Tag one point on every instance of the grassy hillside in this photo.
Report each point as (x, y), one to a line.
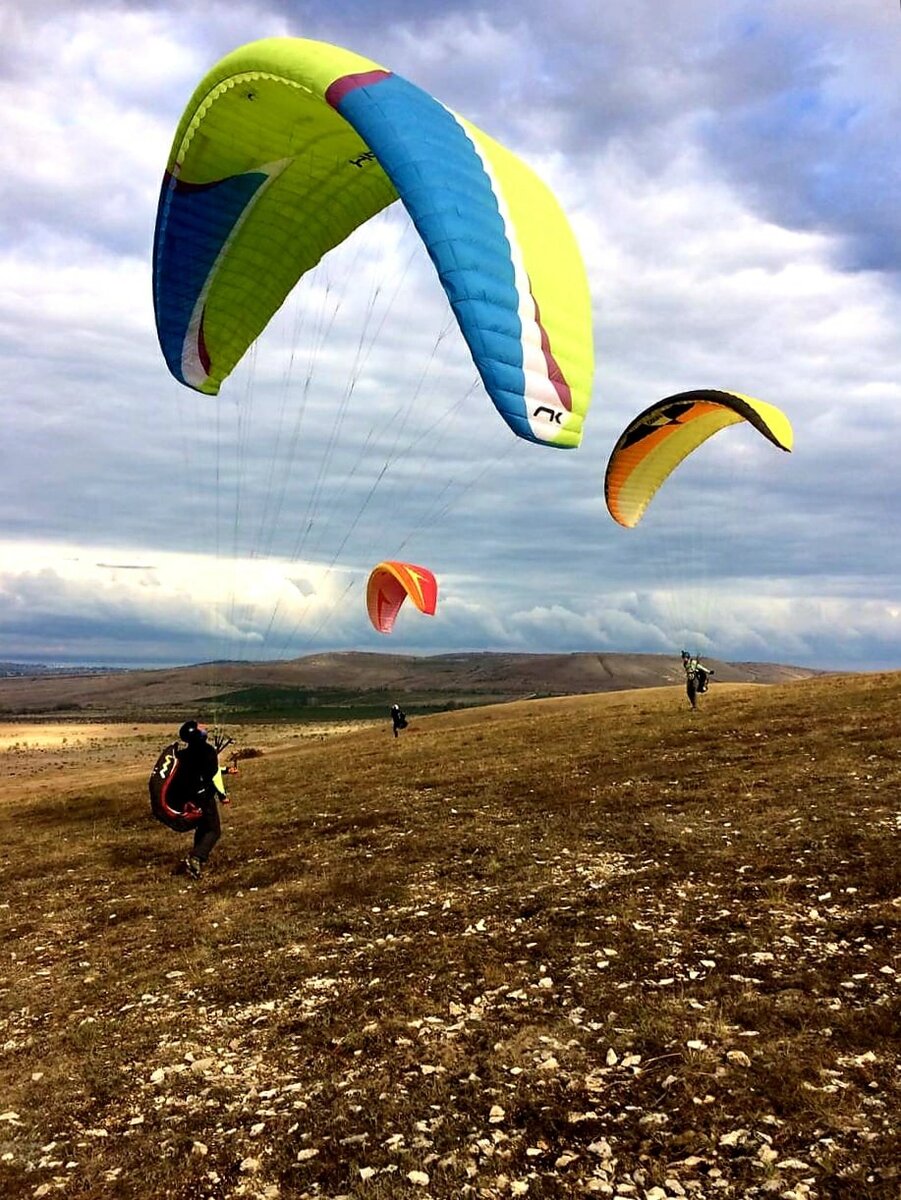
(588, 946)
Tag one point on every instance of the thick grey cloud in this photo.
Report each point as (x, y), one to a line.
(726, 172)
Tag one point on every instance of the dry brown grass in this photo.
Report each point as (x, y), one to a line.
(597, 945)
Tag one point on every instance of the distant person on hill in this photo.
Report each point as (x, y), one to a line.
(697, 677)
(199, 779)
(398, 720)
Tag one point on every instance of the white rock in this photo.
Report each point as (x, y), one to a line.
(792, 1164)
(738, 1058)
(653, 1119)
(419, 1178)
(601, 1148)
(306, 1155)
(695, 1044)
(158, 1075)
(199, 1149)
(496, 1115)
(367, 1172)
(612, 1057)
(735, 1137)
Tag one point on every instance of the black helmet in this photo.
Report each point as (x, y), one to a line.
(192, 732)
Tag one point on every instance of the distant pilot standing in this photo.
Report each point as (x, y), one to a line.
(697, 677)
(398, 720)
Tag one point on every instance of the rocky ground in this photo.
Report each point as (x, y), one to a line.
(595, 946)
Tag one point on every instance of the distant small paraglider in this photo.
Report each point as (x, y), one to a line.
(390, 583)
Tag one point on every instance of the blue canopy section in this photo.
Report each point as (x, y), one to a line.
(441, 181)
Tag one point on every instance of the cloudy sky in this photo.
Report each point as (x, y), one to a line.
(731, 172)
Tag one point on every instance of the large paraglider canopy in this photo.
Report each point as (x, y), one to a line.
(289, 145)
(390, 583)
(657, 440)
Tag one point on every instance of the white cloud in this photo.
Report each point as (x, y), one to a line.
(212, 606)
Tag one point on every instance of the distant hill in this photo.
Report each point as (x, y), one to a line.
(355, 684)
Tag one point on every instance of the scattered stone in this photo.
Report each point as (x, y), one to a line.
(738, 1058)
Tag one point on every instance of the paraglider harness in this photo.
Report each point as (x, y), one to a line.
(165, 805)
